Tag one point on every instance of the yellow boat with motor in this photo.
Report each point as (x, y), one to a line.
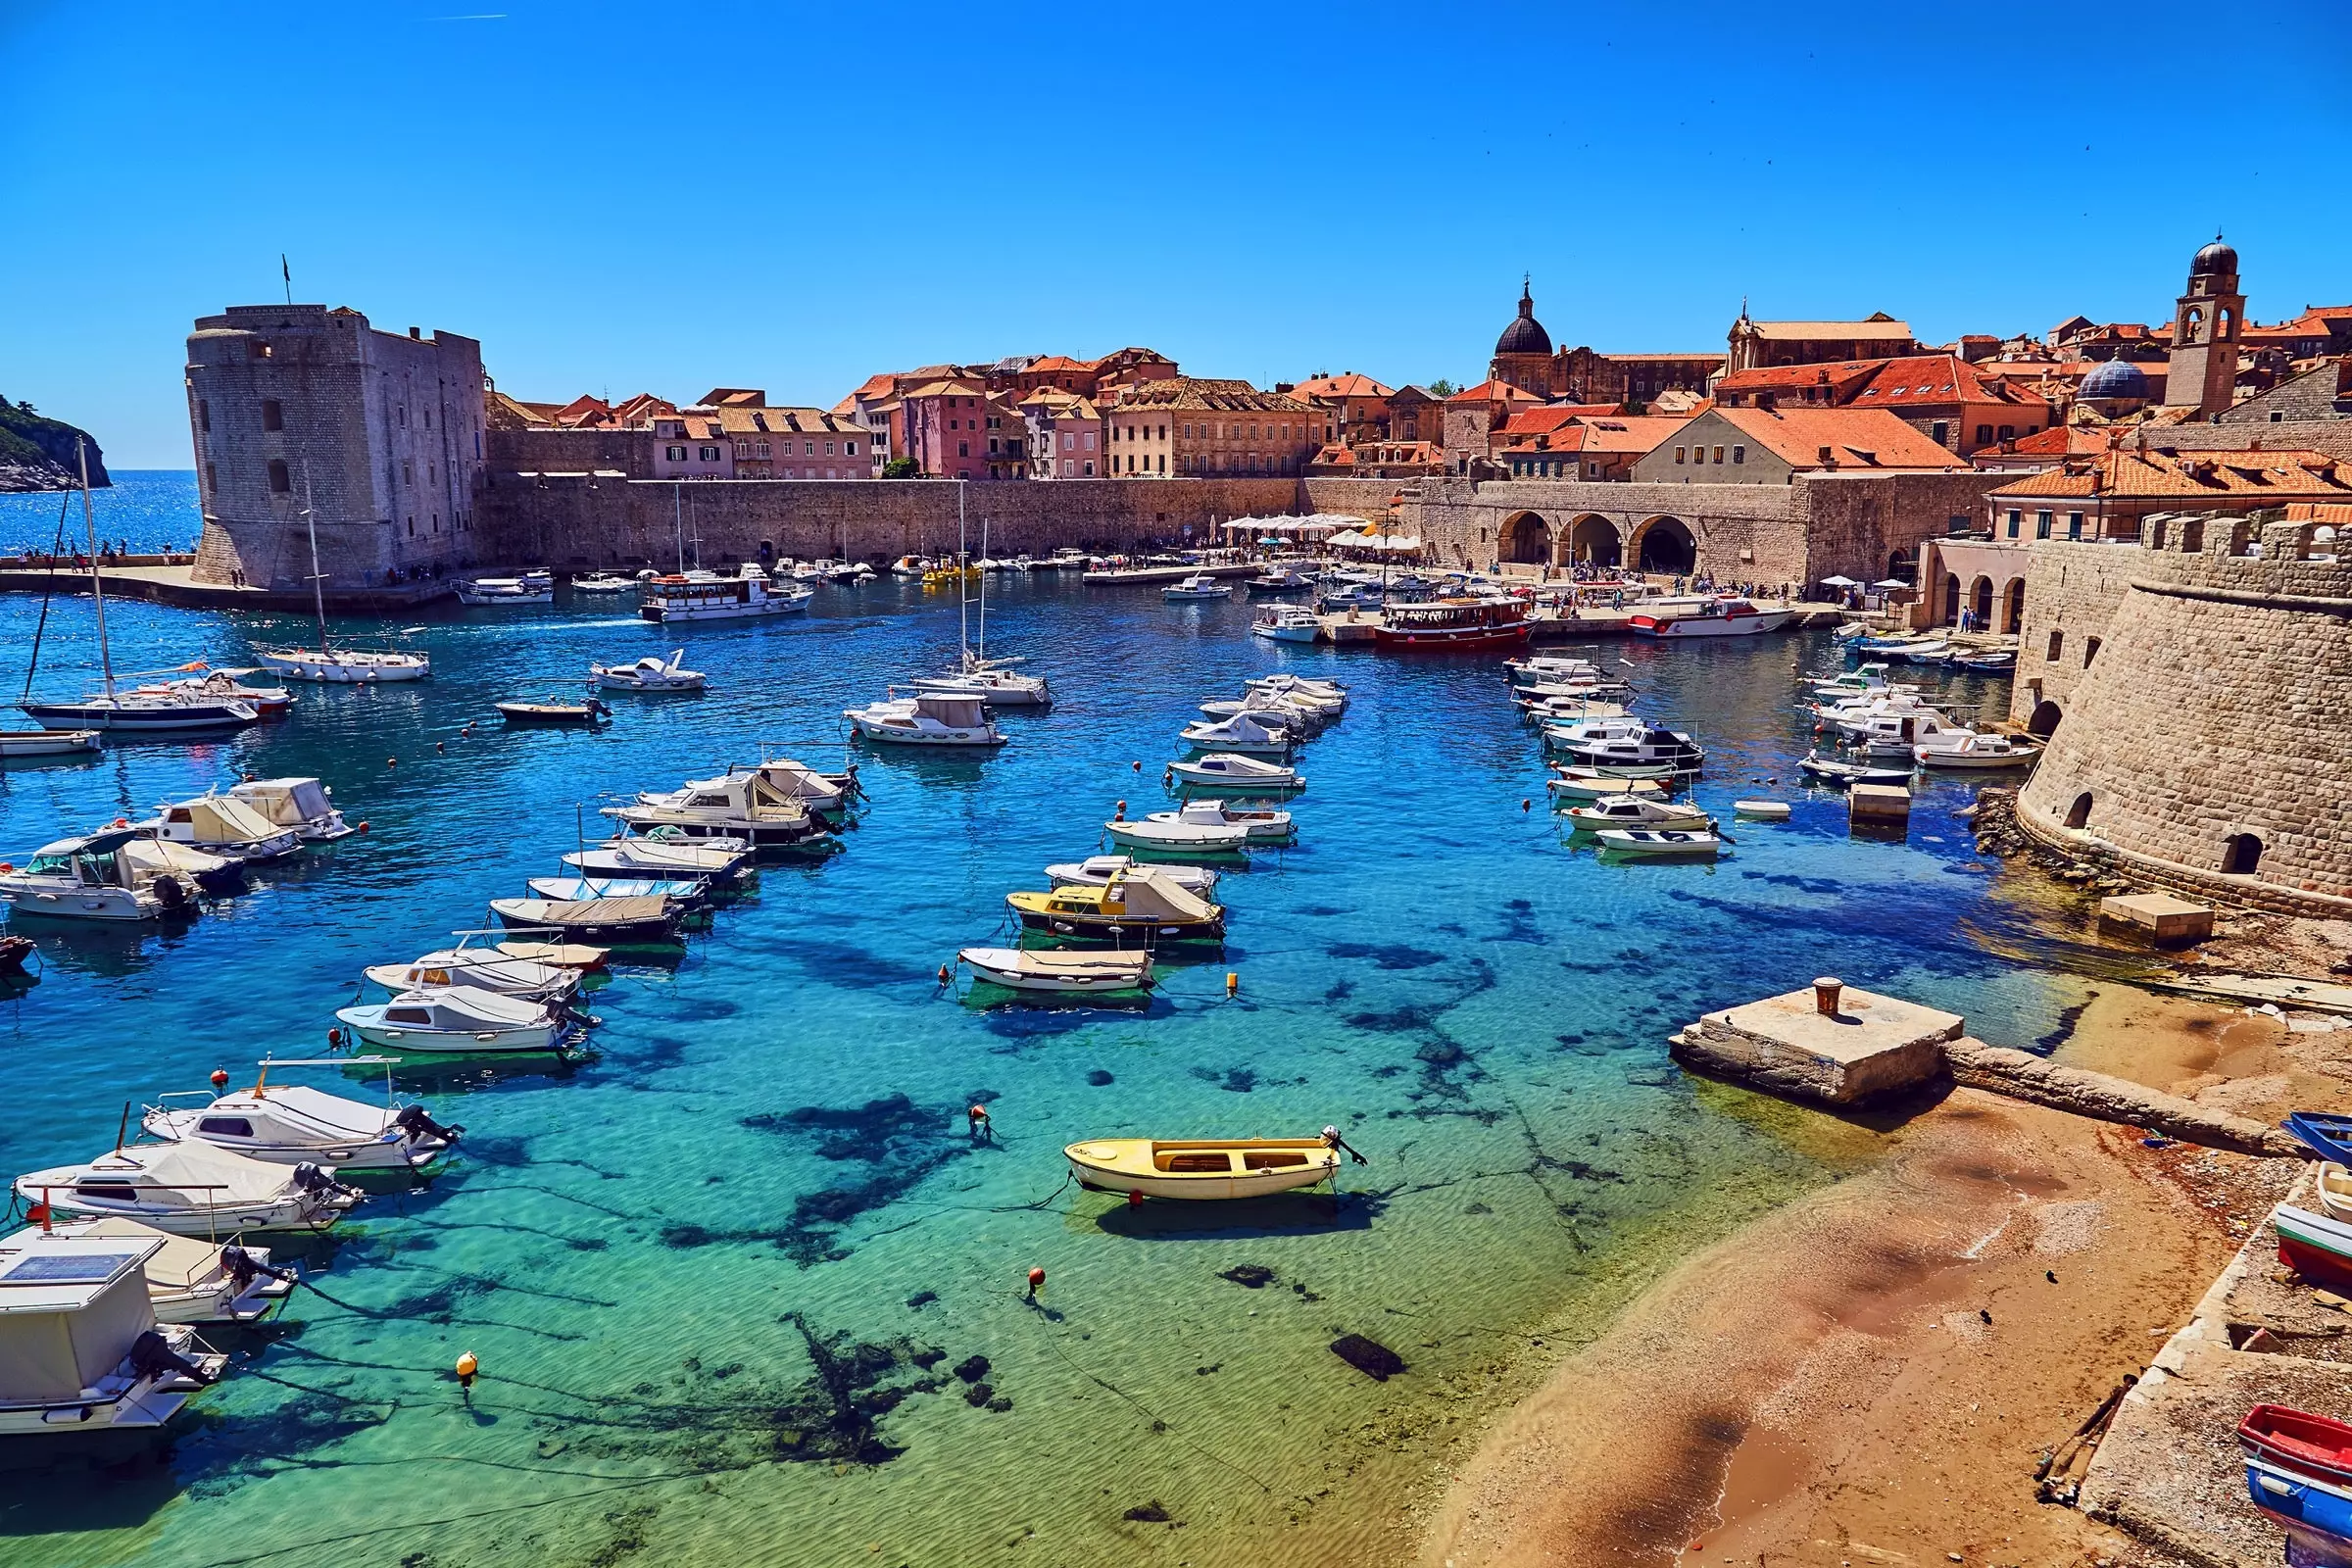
(1202, 1167)
(1137, 901)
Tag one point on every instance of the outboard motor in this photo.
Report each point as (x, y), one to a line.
(243, 1268)
(170, 892)
(419, 1124)
(320, 1185)
(152, 1357)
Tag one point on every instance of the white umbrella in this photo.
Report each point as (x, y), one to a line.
(1890, 582)
(1840, 582)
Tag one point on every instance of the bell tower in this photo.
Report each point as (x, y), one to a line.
(2206, 321)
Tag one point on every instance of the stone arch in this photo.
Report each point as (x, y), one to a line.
(2013, 607)
(1593, 539)
(2045, 719)
(2241, 854)
(1979, 603)
(2078, 815)
(1526, 540)
(1951, 598)
(1902, 567)
(1663, 545)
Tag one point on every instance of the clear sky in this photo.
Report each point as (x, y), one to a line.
(618, 198)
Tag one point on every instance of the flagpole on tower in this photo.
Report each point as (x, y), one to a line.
(288, 273)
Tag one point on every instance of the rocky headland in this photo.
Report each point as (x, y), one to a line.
(36, 453)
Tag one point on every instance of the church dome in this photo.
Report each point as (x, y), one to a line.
(2115, 379)
(2216, 257)
(1526, 334)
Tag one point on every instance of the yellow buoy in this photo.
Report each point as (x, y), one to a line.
(468, 1366)
(1233, 981)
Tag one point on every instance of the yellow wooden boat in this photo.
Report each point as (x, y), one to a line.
(1138, 901)
(1202, 1167)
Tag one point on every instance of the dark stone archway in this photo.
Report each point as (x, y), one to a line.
(2045, 721)
(1666, 546)
(1593, 541)
(1526, 540)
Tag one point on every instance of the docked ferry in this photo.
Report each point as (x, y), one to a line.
(1464, 625)
(707, 596)
(1726, 616)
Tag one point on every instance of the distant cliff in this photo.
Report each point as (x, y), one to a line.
(37, 453)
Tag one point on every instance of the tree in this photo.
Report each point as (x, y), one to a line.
(1443, 388)
(900, 468)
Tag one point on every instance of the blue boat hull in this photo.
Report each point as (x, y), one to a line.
(2317, 1517)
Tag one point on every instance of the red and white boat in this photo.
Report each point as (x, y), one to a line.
(1728, 616)
(1455, 625)
(2315, 1246)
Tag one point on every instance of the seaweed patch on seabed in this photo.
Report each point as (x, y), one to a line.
(903, 1140)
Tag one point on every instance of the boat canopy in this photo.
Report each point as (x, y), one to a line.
(957, 713)
(198, 1174)
(69, 1314)
(1145, 891)
(287, 802)
(221, 818)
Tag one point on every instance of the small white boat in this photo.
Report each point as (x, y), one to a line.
(925, 719)
(646, 674)
(531, 588)
(1097, 870)
(1967, 749)
(1242, 733)
(989, 681)
(224, 826)
(732, 806)
(188, 1281)
(1660, 843)
(602, 582)
(193, 1189)
(1062, 972)
(91, 879)
(1262, 826)
(1302, 689)
(1237, 774)
(147, 860)
(1838, 774)
(1539, 669)
(1292, 623)
(81, 1348)
(300, 804)
(490, 969)
(1156, 834)
(665, 854)
(47, 742)
(829, 794)
(577, 889)
(458, 1019)
(1203, 1167)
(291, 1124)
(1761, 811)
(1569, 788)
(1199, 585)
(1639, 812)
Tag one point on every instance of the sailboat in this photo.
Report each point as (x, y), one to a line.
(975, 674)
(345, 666)
(158, 710)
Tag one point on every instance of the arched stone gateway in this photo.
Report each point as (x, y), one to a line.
(1980, 603)
(2045, 721)
(1952, 599)
(2013, 605)
(1593, 541)
(1664, 545)
(2241, 854)
(1526, 540)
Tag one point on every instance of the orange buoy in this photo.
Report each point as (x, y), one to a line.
(363, 827)
(220, 1078)
(943, 974)
(468, 1366)
(1037, 1282)
(334, 1037)
(1233, 981)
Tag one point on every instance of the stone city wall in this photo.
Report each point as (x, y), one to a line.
(2072, 589)
(2218, 713)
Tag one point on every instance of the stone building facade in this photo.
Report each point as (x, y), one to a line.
(2197, 691)
(382, 433)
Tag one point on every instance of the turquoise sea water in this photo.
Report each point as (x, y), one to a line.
(706, 1272)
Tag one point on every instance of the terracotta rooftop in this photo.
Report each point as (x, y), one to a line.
(1940, 378)
(1201, 392)
(1880, 325)
(1838, 378)
(1346, 384)
(1493, 391)
(1857, 438)
(2130, 472)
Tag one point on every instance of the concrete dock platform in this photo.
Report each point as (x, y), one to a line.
(2157, 917)
(1859, 1046)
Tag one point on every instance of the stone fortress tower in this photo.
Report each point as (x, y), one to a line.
(382, 432)
(2207, 732)
(2206, 323)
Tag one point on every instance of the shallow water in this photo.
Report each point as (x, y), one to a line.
(698, 1270)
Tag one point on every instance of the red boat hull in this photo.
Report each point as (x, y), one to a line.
(2316, 1264)
(1470, 639)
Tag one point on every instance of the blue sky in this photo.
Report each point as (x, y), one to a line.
(626, 197)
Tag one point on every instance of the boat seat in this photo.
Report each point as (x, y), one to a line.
(1194, 1161)
(1273, 1159)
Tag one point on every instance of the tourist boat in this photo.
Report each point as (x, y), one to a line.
(2299, 1475)
(1245, 734)
(707, 596)
(289, 1124)
(47, 742)
(2315, 1246)
(458, 1021)
(80, 1348)
(1836, 774)
(1602, 787)
(590, 712)
(733, 806)
(490, 969)
(89, 879)
(1972, 749)
(1066, 973)
(1728, 616)
(1761, 811)
(1288, 624)
(1270, 584)
(1652, 748)
(1202, 1167)
(603, 922)
(224, 826)
(302, 804)
(1097, 870)
(191, 1188)
(1240, 775)
(1163, 831)
(1140, 902)
(1460, 625)
(925, 719)
(530, 588)
(648, 674)
(188, 1281)
(665, 851)
(1265, 826)
(602, 582)
(1638, 810)
(1199, 585)
(687, 893)
(1659, 844)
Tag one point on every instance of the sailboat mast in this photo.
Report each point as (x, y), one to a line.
(309, 520)
(89, 517)
(984, 591)
(678, 504)
(963, 628)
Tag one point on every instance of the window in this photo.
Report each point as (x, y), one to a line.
(674, 454)
(828, 448)
(203, 413)
(849, 449)
(1740, 454)
(2078, 815)
(1678, 454)
(2277, 416)
(404, 416)
(1090, 465)
(226, 1127)
(280, 482)
(1940, 432)
(2008, 431)
(710, 454)
(412, 527)
(212, 480)
(2057, 646)
(1719, 454)
(273, 414)
(257, 349)
(766, 450)
(2241, 852)
(1069, 443)
(743, 450)
(963, 449)
(2042, 526)
(1983, 435)
(2074, 525)
(2013, 520)
(1089, 446)
(1067, 466)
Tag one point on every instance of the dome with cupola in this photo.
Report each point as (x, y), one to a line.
(1524, 335)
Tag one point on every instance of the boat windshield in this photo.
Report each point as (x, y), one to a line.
(51, 865)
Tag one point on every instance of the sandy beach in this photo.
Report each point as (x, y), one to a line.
(1873, 1373)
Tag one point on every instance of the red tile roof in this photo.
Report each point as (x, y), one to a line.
(1346, 384)
(1941, 379)
(1492, 392)
(1857, 438)
(2133, 474)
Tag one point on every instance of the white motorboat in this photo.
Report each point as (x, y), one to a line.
(224, 826)
(192, 1188)
(81, 1348)
(1838, 774)
(687, 892)
(530, 588)
(1539, 669)
(1651, 748)
(648, 674)
(1659, 844)
(490, 969)
(608, 922)
(1601, 788)
(291, 1124)
(1292, 623)
(188, 1281)
(1638, 810)
(1540, 693)
(47, 742)
(828, 794)
(1838, 709)
(1278, 712)
(925, 719)
(665, 853)
(1864, 683)
(1263, 826)
(734, 806)
(1199, 585)
(1063, 972)
(1097, 870)
(300, 804)
(90, 879)
(1591, 730)
(707, 596)
(1967, 749)
(1240, 775)
(1242, 733)
(459, 1019)
(144, 860)
(602, 582)
(1166, 835)
(1895, 733)
(1762, 811)
(1302, 689)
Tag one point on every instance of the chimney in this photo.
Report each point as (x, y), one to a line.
(1822, 457)
(417, 332)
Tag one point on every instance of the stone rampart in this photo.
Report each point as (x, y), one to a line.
(2072, 591)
